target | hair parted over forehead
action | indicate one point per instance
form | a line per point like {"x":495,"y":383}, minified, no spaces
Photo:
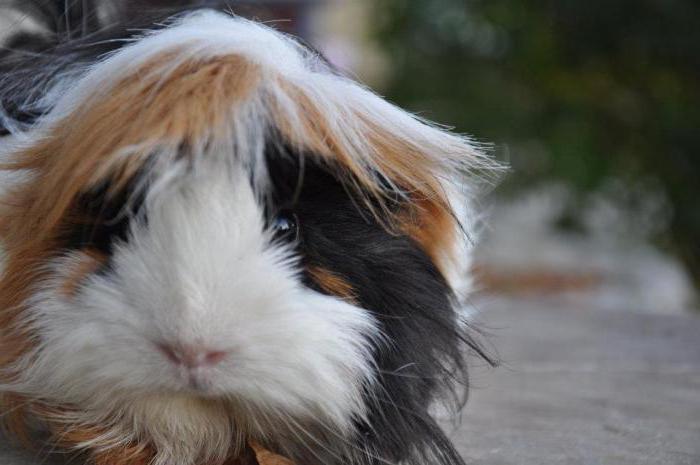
{"x":202,"y":83}
{"x":208,"y":87}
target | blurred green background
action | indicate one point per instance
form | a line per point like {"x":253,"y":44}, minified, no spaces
{"x":578,"y":92}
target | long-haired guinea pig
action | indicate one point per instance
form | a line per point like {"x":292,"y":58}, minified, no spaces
{"x":213,"y":239}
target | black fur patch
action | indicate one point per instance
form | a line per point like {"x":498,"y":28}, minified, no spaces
{"x":75,"y":37}
{"x":395,"y":280}
{"x":101,"y":217}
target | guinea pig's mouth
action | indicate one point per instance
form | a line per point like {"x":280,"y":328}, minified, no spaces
{"x":197,"y":383}
{"x":194,"y":366}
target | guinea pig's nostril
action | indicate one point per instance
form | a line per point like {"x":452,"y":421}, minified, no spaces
{"x":192,"y":356}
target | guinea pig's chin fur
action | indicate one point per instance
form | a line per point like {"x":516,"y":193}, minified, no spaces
{"x":291,"y":352}
{"x":182,"y":429}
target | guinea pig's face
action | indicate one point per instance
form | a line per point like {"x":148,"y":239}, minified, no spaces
{"x":203,"y":288}
{"x":216,"y":239}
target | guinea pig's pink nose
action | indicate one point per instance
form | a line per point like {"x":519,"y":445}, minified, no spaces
{"x":192,"y":356}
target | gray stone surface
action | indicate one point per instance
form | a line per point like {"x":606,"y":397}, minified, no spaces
{"x":578,"y":387}
{"x":585,"y":387}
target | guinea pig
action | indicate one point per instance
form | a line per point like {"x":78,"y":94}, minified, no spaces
{"x":212,"y":238}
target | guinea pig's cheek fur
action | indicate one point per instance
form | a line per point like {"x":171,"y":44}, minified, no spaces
{"x":88,"y":348}
{"x":316,"y":353}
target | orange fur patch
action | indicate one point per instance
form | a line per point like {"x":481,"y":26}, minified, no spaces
{"x":265,"y":457}
{"x":331,"y":283}
{"x":399,"y":159}
{"x":433,"y":228}
{"x":14,"y":417}
{"x":129,"y":454}
{"x":22,"y":269}
{"x":144,"y":111}
{"x":90,"y":262}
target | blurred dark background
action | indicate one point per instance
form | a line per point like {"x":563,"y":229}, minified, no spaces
{"x":583,"y":92}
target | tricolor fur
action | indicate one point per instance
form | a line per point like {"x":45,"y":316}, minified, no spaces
{"x":210,"y":183}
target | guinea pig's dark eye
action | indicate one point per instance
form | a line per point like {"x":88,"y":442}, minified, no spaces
{"x":286,"y":225}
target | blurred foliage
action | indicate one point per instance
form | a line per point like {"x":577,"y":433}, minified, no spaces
{"x":572,"y":90}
